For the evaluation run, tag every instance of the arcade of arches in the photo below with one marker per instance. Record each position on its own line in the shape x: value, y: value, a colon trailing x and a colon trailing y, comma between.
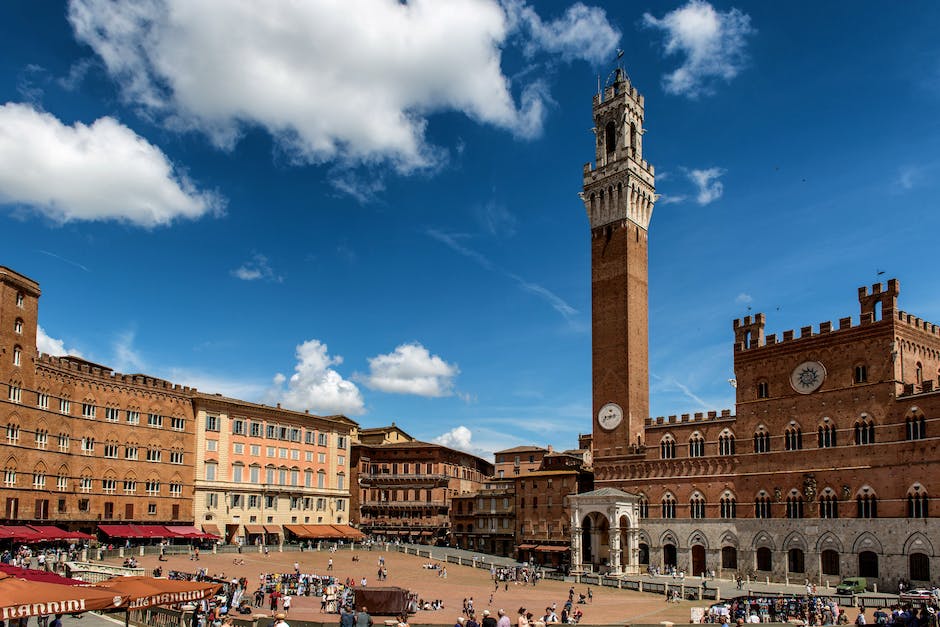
x: 605, y: 532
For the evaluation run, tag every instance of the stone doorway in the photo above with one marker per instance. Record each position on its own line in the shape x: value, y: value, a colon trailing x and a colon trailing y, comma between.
x: 698, y: 560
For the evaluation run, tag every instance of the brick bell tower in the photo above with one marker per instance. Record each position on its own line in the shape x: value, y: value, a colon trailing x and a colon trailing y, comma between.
x: 619, y: 192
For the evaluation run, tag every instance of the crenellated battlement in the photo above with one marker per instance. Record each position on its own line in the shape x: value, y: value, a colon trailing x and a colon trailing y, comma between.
x: 105, y: 374
x: 749, y: 332
x: 791, y: 335
x: 659, y: 421
x: 620, y: 87
x: 923, y: 325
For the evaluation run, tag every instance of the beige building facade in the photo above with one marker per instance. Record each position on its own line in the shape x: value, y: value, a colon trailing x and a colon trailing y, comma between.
x: 259, y: 468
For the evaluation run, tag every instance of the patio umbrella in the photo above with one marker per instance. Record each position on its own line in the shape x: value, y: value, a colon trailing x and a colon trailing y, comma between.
x: 20, y: 598
x: 32, y: 574
x: 144, y: 592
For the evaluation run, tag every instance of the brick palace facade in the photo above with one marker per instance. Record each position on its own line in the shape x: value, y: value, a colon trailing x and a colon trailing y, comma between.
x: 86, y: 446
x: 827, y: 468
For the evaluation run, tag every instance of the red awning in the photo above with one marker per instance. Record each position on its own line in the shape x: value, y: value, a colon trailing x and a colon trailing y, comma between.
x: 190, y: 532
x: 34, y: 574
x: 155, y: 531
x: 252, y: 529
x: 273, y: 529
x: 548, y: 548
x: 427, y: 533
x: 38, y: 533
x: 320, y: 532
x: 121, y: 531
x: 213, y: 529
x: 22, y: 533
x: 526, y: 547
x: 348, y: 532
x: 135, y: 531
x: 146, y: 592
x: 297, y: 530
x: 51, y: 532
x: 20, y: 598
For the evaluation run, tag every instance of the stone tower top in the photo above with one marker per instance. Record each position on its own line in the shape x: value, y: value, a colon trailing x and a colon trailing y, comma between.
x: 620, y: 185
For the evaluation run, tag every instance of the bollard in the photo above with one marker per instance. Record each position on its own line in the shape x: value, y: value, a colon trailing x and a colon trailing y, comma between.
x: 641, y: 585
x: 215, y: 548
x: 121, y: 551
x: 141, y: 551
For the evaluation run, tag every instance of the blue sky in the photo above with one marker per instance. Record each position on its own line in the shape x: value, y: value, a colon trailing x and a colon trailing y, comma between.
x: 373, y: 209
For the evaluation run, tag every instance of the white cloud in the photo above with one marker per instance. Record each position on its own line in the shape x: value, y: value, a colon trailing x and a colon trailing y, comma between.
x: 744, y: 299
x: 316, y: 386
x: 581, y: 33
x: 126, y: 357
x: 496, y: 219
x: 709, y: 187
x: 557, y: 303
x: 411, y: 369
x: 257, y: 268
x: 671, y: 199
x: 911, y: 176
x: 102, y: 171
x: 364, y: 189
x: 51, y: 345
x: 211, y: 383
x: 687, y: 392
x: 461, y: 438
x: 326, y: 80
x: 712, y: 43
